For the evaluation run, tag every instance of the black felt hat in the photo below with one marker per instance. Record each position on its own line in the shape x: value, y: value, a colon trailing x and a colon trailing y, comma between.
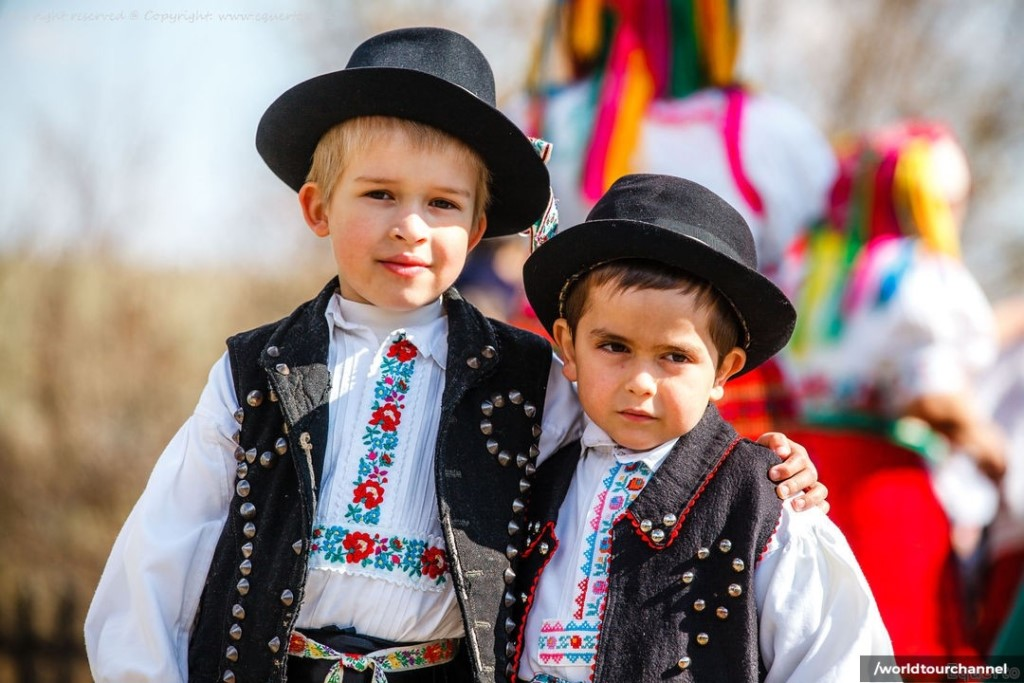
x: 430, y: 75
x: 675, y: 222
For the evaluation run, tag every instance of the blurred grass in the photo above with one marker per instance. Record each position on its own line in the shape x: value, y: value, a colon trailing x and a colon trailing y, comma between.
x: 102, y: 364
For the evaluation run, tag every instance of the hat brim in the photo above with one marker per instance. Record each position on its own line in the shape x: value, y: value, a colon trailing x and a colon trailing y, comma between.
x: 292, y: 126
x: 767, y: 313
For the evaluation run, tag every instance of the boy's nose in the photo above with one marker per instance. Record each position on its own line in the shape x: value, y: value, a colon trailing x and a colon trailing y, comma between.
x: 410, y: 227
x: 641, y: 382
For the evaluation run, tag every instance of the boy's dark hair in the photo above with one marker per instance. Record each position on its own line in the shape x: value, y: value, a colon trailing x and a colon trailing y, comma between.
x: 640, y: 274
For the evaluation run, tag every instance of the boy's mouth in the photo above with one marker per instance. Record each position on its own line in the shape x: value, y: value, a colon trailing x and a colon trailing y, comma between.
x: 636, y: 415
x: 404, y: 265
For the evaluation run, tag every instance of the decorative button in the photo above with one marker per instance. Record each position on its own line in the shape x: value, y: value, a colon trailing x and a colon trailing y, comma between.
x: 249, y: 530
x: 669, y: 520
x: 658, y: 535
x: 536, y: 431
x: 534, y: 451
x: 273, y: 396
x: 521, y: 460
x: 228, y: 677
x: 239, y: 416
x: 510, y: 625
x: 239, y: 454
x: 287, y: 598
x: 509, y: 598
x: 515, y: 396
x: 250, y: 456
x: 511, y: 551
x: 281, y: 445
x: 703, y: 554
x: 242, y: 488
x: 235, y: 632
x: 492, y: 446
x: 473, y: 362
x: 254, y: 398
x: 518, y: 506
x: 529, y: 410
x: 237, y: 436
x: 487, y: 408
x: 274, y: 644
x: 508, y: 576
x: 699, y: 605
x: 735, y: 590
x: 722, y: 613
x: 242, y: 586
x: 247, y: 510
x: 702, y: 639
x: 530, y: 469
x: 738, y: 565
x: 504, y: 458
x: 687, y: 577
x: 498, y: 400
x: 268, y: 459
x: 247, y: 549
x: 242, y: 470
x: 486, y: 427
x: 510, y: 649
x: 245, y: 567
x: 513, y: 528
x: 725, y: 545
x: 231, y: 654
x: 646, y: 526
x: 524, y: 485
x: 297, y: 547
x: 487, y: 351
x: 282, y: 369
x: 273, y: 351
x: 238, y: 612
x: 543, y: 548
x: 683, y: 663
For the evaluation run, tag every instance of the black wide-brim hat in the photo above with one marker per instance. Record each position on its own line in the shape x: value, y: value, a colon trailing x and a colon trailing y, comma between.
x: 678, y: 223
x: 430, y: 75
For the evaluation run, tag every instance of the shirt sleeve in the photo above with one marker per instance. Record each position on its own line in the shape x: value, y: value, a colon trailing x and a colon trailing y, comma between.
x: 563, y: 417
x: 140, y: 618
x: 816, y: 614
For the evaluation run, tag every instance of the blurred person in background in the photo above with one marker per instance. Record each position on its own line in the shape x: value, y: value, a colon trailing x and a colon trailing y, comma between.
x: 894, y: 334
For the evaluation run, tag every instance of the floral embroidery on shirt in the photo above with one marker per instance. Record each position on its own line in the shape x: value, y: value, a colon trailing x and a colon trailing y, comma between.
x: 424, y: 561
x: 381, y: 434
x: 574, y: 641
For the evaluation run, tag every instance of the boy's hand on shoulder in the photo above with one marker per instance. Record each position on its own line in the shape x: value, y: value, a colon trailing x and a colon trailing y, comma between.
x: 795, y: 473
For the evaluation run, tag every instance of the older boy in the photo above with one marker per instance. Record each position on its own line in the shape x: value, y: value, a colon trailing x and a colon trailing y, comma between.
x: 657, y: 549
x: 346, y: 491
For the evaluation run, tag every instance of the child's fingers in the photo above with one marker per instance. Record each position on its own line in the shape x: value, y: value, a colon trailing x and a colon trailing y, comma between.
x: 814, y: 496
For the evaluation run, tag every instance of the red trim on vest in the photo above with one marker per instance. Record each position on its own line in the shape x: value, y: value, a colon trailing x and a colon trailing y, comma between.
x: 521, y: 631
x: 689, y: 506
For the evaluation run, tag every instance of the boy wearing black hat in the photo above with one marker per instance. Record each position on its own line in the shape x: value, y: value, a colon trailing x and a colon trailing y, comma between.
x: 341, y: 498
x: 656, y: 547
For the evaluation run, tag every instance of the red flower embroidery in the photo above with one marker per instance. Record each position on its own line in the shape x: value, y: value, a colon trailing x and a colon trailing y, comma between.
x: 575, y: 641
x: 359, y: 546
x: 435, y: 562
x: 387, y: 416
x: 370, y: 493
x: 635, y: 484
x: 403, y: 350
x: 433, y: 653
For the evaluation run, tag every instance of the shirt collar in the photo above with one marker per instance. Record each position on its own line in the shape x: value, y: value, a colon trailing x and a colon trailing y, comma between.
x: 427, y: 326
x: 596, y: 439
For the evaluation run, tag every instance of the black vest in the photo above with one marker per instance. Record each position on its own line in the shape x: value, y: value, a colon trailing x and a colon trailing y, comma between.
x: 680, y: 604
x: 494, y: 392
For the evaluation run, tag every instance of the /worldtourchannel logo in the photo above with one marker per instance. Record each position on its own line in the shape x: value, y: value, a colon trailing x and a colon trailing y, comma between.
x: 909, y: 668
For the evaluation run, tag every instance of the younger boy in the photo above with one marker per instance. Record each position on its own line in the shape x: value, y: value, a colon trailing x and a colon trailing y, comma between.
x: 345, y: 494
x: 656, y: 548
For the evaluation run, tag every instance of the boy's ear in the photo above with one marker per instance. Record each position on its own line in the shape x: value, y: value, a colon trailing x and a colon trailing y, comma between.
x: 732, y: 363
x: 478, y: 233
x: 311, y: 200
x: 562, y: 336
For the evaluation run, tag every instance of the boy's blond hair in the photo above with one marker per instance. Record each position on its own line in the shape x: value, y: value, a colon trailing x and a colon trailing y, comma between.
x: 357, y: 134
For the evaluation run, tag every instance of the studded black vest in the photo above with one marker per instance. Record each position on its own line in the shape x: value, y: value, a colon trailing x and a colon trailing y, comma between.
x: 680, y: 605
x: 494, y: 393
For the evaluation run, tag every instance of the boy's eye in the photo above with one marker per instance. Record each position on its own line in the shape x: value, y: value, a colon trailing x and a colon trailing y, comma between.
x: 444, y: 204
x: 678, y: 358
x: 378, y: 194
x: 613, y: 347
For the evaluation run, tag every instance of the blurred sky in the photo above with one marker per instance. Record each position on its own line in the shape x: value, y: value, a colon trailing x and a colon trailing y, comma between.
x: 129, y: 125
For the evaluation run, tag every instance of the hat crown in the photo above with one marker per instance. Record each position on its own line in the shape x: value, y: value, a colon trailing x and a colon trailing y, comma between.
x: 438, y: 52
x: 681, y: 206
